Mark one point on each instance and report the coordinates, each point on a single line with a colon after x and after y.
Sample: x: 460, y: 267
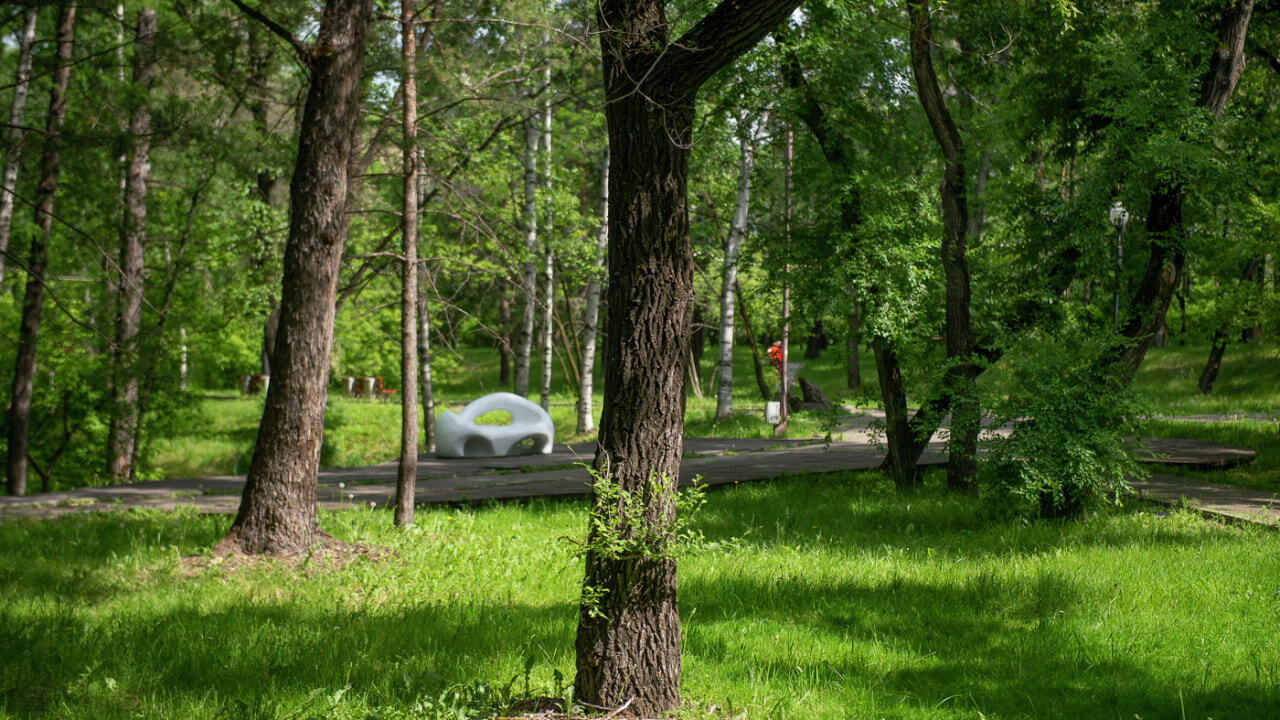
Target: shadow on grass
x: 916, y: 645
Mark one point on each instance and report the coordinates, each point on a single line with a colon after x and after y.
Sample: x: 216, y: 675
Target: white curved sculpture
x: 458, y: 435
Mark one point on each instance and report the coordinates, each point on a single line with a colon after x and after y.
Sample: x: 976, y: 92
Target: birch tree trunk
x: 13, y: 137
x: 122, y: 435
x: 749, y: 141
x: 407, y: 470
x: 37, y: 258
x: 548, y: 272
x: 529, y: 277
x: 590, y: 316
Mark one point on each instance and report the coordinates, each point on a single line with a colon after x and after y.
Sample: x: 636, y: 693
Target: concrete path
x: 561, y: 475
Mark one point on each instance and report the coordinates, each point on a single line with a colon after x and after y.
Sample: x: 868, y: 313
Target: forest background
x: 152, y: 216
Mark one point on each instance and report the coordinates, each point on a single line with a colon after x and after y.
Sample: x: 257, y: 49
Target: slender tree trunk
x: 628, y: 640
x: 424, y: 370
x: 504, y: 340
x: 965, y: 418
x: 1255, y: 272
x: 13, y: 136
x: 1164, y: 217
x: 748, y: 142
x: 37, y: 258
x: 122, y: 435
x: 1214, y: 364
x: 407, y: 471
x: 784, y: 372
x: 278, y: 507
x: 757, y: 364
x: 529, y: 278
x: 852, y: 363
x: 590, y: 316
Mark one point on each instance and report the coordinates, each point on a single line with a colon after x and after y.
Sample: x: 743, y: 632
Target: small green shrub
x: 1066, y: 450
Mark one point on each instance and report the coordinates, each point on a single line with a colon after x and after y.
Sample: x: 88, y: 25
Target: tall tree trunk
x: 407, y: 470
x: 13, y: 136
x: 960, y: 377
x: 278, y: 507
x: 549, y: 259
x: 590, y: 316
x: 1164, y: 217
x: 122, y: 435
x: 529, y: 275
x: 748, y: 143
x: 901, y: 460
x: 898, y: 439
x: 628, y: 640
x: 852, y: 363
x: 37, y: 258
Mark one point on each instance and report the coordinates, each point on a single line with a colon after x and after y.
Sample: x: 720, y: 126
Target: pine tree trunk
x: 278, y: 507
x: 37, y: 258
x: 748, y: 143
x: 407, y: 470
x: 529, y: 276
x: 13, y: 136
x: 122, y: 435
x: 590, y: 316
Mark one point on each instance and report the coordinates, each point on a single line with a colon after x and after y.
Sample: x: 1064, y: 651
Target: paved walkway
x: 559, y: 475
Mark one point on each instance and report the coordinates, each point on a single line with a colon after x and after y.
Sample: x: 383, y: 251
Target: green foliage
x: 654, y: 523
x: 1066, y: 451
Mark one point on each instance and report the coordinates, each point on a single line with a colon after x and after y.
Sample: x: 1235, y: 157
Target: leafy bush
x: 1066, y: 450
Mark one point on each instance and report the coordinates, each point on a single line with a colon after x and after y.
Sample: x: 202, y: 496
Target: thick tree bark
x: 590, y: 315
x: 965, y: 417
x: 37, y: 258
x: 122, y: 435
x: 13, y: 135
x: 407, y: 470
x: 278, y: 508
x: 1164, y: 217
x: 628, y: 644
x: 748, y: 143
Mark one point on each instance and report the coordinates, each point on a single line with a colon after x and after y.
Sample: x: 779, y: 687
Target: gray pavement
x: 561, y: 474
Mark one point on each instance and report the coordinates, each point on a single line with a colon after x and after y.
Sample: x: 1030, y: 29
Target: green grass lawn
x: 821, y: 597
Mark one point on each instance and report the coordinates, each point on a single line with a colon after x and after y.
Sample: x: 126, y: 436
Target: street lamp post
x: 1119, y: 217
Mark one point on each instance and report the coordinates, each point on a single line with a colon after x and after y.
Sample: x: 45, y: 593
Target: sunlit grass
x: 1249, y: 381
x: 824, y: 597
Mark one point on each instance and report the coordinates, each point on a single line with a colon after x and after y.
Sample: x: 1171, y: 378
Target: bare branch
x: 304, y: 55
